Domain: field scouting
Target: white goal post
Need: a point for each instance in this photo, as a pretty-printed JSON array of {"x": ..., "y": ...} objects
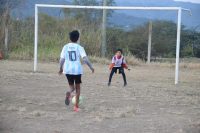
[{"x": 177, "y": 9}]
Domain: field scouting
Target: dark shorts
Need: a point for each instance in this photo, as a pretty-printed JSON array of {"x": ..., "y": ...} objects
[
  {"x": 73, "y": 79},
  {"x": 119, "y": 69}
]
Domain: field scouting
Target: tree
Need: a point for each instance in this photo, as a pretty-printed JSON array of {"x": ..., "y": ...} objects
[
  {"x": 87, "y": 15},
  {"x": 190, "y": 43},
  {"x": 5, "y": 8}
]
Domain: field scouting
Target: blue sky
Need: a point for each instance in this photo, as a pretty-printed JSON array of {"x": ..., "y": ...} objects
[{"x": 191, "y": 1}]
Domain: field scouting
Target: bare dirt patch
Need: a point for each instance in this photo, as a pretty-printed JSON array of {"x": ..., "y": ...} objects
[{"x": 151, "y": 103}]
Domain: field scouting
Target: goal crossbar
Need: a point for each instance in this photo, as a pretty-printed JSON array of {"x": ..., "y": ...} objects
[
  {"x": 178, "y": 9},
  {"x": 110, "y": 7}
]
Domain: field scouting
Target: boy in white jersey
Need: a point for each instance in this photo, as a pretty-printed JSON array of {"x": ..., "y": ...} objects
[
  {"x": 118, "y": 63},
  {"x": 70, "y": 65}
]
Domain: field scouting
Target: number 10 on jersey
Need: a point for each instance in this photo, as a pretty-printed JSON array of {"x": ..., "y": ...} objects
[{"x": 72, "y": 55}]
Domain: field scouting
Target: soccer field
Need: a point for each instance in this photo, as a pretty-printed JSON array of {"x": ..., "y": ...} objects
[{"x": 151, "y": 103}]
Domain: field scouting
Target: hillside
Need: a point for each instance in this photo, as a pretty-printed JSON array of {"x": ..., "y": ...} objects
[{"x": 130, "y": 18}]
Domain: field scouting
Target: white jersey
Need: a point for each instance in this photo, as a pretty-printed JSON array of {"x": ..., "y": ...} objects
[
  {"x": 72, "y": 52},
  {"x": 118, "y": 62}
]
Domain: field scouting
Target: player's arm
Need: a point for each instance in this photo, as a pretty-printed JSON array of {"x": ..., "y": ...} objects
[
  {"x": 62, "y": 61},
  {"x": 87, "y": 61},
  {"x": 124, "y": 65},
  {"x": 85, "y": 58},
  {"x": 112, "y": 64}
]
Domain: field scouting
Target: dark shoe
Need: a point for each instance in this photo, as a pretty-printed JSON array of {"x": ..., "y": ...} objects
[
  {"x": 67, "y": 99},
  {"x": 108, "y": 83},
  {"x": 125, "y": 84}
]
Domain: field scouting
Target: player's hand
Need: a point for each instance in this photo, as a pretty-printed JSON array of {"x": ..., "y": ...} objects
[
  {"x": 110, "y": 68},
  {"x": 60, "y": 72}
]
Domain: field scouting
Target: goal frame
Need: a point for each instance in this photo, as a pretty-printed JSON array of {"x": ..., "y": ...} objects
[{"x": 177, "y": 9}]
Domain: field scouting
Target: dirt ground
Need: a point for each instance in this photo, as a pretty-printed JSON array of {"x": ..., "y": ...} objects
[{"x": 151, "y": 103}]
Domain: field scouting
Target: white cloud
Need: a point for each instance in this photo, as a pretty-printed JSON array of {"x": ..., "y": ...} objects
[{"x": 191, "y": 1}]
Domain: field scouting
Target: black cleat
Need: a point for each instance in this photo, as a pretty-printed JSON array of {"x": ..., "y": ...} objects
[
  {"x": 125, "y": 84},
  {"x": 67, "y": 99}
]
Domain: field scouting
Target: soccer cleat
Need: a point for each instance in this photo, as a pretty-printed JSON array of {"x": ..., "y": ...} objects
[
  {"x": 67, "y": 99},
  {"x": 76, "y": 109},
  {"x": 108, "y": 83},
  {"x": 125, "y": 84}
]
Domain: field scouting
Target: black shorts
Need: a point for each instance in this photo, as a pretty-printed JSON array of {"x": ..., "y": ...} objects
[
  {"x": 120, "y": 70},
  {"x": 73, "y": 79}
]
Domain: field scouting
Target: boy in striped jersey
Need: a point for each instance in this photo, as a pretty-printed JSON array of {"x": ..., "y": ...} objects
[
  {"x": 70, "y": 65},
  {"x": 118, "y": 63}
]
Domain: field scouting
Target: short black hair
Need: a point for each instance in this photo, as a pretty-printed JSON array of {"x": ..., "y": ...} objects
[
  {"x": 119, "y": 50},
  {"x": 74, "y": 36}
]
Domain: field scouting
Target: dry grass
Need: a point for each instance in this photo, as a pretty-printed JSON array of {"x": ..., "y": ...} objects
[
  {"x": 131, "y": 60},
  {"x": 100, "y": 60},
  {"x": 149, "y": 103},
  {"x": 190, "y": 63},
  {"x": 181, "y": 65}
]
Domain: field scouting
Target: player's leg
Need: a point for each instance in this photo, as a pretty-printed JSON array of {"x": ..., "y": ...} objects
[
  {"x": 69, "y": 94},
  {"x": 123, "y": 75},
  {"x": 72, "y": 88},
  {"x": 70, "y": 79},
  {"x": 111, "y": 75},
  {"x": 78, "y": 91}
]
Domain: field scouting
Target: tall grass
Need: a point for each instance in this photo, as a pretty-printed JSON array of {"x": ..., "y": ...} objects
[
  {"x": 133, "y": 61},
  {"x": 53, "y": 35},
  {"x": 186, "y": 65}
]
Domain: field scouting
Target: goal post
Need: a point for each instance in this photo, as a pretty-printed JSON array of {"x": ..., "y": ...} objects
[{"x": 177, "y": 9}]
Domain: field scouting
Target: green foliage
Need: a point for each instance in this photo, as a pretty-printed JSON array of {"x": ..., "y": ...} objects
[
  {"x": 187, "y": 51},
  {"x": 53, "y": 35},
  {"x": 87, "y": 15},
  {"x": 5, "y": 23},
  {"x": 135, "y": 41},
  {"x": 190, "y": 43},
  {"x": 21, "y": 42},
  {"x": 164, "y": 38}
]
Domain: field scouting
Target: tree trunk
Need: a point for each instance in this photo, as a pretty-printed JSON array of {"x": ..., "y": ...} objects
[
  {"x": 6, "y": 25},
  {"x": 6, "y": 43},
  {"x": 149, "y": 43},
  {"x": 103, "y": 46}
]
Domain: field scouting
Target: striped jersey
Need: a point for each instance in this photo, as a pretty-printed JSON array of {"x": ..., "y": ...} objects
[{"x": 72, "y": 52}]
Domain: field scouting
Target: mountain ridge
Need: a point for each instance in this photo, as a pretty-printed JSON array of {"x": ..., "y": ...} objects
[{"x": 27, "y": 9}]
